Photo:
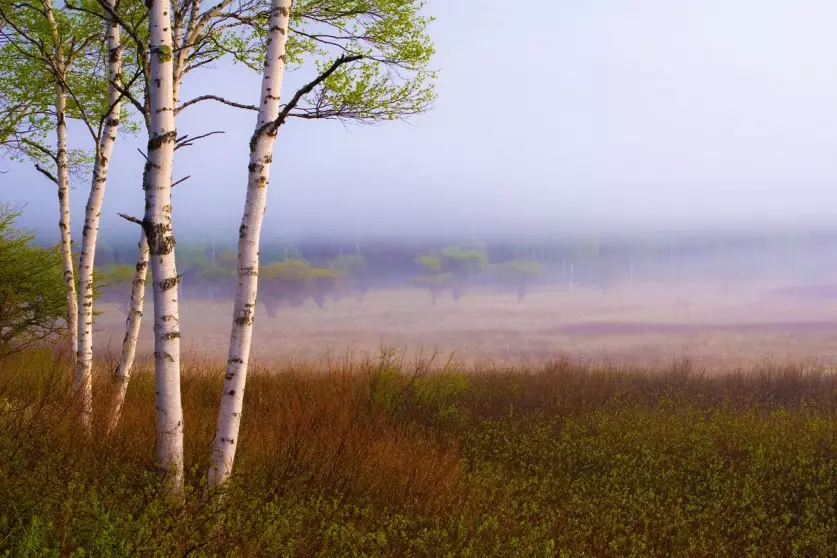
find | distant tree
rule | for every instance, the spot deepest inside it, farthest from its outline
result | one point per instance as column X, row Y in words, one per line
column 432, row 278
column 606, row 269
column 451, row 268
column 431, row 263
column 463, row 263
column 582, row 255
column 226, row 259
column 33, row 306
column 518, row 274
column 293, row 281
column 113, row 279
column 284, row 282
column 356, row 271
column 205, row 276
column 436, row 284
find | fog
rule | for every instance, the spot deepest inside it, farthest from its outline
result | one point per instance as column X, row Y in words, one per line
column 574, row 117
column 693, row 143
column 723, row 304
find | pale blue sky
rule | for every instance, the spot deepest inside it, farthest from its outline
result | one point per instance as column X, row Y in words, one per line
column 552, row 116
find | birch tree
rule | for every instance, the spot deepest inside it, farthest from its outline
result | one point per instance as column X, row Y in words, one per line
column 261, row 156
column 198, row 41
column 31, row 33
column 129, row 343
column 199, row 38
column 371, row 62
column 158, row 229
column 101, row 164
column 90, row 80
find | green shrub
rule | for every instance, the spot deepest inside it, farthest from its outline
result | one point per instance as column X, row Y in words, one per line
column 33, row 302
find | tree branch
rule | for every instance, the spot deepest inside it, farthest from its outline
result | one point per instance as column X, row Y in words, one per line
column 132, row 219
column 184, row 179
column 271, row 127
column 184, row 141
column 40, row 148
column 140, row 43
column 122, row 95
column 46, row 173
column 127, row 94
column 214, row 98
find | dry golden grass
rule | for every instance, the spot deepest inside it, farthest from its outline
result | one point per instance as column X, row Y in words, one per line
column 393, row 457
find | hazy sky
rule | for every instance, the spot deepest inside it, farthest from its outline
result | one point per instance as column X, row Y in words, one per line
column 552, row 115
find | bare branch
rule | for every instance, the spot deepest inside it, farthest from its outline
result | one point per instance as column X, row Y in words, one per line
column 132, row 219
column 185, row 141
column 214, row 98
column 74, row 7
column 184, row 179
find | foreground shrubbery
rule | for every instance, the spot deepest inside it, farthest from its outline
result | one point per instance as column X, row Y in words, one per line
column 383, row 459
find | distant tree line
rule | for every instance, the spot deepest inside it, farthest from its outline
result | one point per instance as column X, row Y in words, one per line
column 292, row 274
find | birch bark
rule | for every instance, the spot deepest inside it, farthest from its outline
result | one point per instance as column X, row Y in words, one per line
column 261, row 156
column 158, row 229
column 129, row 344
column 63, row 179
column 84, row 357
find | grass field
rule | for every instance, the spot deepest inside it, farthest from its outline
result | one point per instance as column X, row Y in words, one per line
column 641, row 324
column 678, row 422
column 398, row 458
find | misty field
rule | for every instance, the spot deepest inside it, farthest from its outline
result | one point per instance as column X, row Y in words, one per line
column 653, row 420
column 646, row 324
column 396, row 458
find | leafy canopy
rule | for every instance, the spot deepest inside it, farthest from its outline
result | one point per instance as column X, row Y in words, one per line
column 391, row 80
column 35, row 61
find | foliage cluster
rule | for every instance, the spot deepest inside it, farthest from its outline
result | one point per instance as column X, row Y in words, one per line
column 32, row 300
column 395, row 458
column 454, row 259
column 297, row 271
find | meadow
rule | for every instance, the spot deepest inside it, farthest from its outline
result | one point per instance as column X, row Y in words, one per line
column 654, row 420
column 429, row 456
column 596, row 328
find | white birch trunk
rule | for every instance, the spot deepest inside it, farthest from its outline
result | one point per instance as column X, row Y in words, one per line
column 261, row 155
column 63, row 179
column 64, row 221
column 84, row 357
column 129, row 344
column 158, row 229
